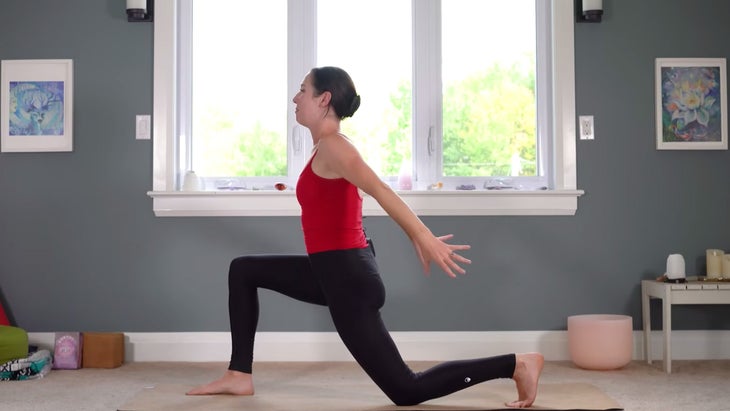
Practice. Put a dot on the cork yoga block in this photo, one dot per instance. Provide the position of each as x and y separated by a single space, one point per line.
103 350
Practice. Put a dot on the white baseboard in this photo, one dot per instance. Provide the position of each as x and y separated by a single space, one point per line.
414 346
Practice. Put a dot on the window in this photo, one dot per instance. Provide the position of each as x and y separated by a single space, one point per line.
227 113
235 119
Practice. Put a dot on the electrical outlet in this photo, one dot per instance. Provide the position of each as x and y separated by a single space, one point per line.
585 123
143 127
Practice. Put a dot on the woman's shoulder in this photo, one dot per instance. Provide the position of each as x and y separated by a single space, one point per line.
337 151
336 142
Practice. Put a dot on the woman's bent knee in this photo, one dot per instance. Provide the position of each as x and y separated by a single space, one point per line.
402 393
404 398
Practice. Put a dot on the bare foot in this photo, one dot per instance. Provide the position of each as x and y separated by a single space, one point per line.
232 383
527 372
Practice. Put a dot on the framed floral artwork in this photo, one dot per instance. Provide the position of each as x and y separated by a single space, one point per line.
691 104
36 105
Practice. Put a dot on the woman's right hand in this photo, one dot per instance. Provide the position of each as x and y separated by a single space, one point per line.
435 249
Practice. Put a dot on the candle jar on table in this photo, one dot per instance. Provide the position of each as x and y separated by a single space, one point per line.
726 266
714 263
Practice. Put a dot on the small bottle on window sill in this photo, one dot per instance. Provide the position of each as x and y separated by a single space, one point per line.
405 176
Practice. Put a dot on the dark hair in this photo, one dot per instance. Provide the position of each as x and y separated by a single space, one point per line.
345 100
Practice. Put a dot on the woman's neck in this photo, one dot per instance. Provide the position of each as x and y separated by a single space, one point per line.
327 127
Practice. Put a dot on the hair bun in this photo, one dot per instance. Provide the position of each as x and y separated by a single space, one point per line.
355 104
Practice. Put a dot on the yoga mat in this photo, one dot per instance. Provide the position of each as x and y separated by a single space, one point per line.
303 391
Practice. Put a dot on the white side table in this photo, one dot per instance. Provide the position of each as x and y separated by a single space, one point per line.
691 292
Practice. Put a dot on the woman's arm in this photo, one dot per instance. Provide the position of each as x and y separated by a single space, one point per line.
339 157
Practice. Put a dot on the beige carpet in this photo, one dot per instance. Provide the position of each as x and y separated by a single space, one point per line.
316 390
692 386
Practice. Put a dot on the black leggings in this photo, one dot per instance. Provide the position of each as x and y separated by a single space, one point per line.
348 283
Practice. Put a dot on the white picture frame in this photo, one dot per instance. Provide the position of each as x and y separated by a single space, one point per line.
691 104
36 105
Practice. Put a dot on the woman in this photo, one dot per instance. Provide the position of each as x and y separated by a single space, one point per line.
340 272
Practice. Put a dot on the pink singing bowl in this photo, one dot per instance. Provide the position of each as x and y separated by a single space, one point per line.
600 341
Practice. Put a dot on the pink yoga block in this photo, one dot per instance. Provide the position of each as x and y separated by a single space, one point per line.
600 341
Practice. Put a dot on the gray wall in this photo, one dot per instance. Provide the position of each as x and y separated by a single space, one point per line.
80 248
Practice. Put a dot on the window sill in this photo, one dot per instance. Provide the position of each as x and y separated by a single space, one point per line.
424 203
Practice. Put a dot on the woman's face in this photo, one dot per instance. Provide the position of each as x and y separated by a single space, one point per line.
307 104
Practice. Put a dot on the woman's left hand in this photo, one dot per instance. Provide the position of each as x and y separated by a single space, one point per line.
435 249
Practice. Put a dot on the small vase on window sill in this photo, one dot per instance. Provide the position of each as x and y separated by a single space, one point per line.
405 177
191 182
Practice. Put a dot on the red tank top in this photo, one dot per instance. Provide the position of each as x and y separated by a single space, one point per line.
331 212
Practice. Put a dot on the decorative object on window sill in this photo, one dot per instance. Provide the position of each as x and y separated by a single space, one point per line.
229 184
506 183
588 11
466 187
405 176
140 10
499 184
191 182
691 103
37 96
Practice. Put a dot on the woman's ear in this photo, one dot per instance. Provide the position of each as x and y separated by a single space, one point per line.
326 98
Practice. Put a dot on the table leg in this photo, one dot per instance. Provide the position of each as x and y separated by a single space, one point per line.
667 325
646 319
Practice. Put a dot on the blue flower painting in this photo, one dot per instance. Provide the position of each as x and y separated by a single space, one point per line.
36 108
691 99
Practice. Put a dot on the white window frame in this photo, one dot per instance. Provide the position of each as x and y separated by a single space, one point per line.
561 199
